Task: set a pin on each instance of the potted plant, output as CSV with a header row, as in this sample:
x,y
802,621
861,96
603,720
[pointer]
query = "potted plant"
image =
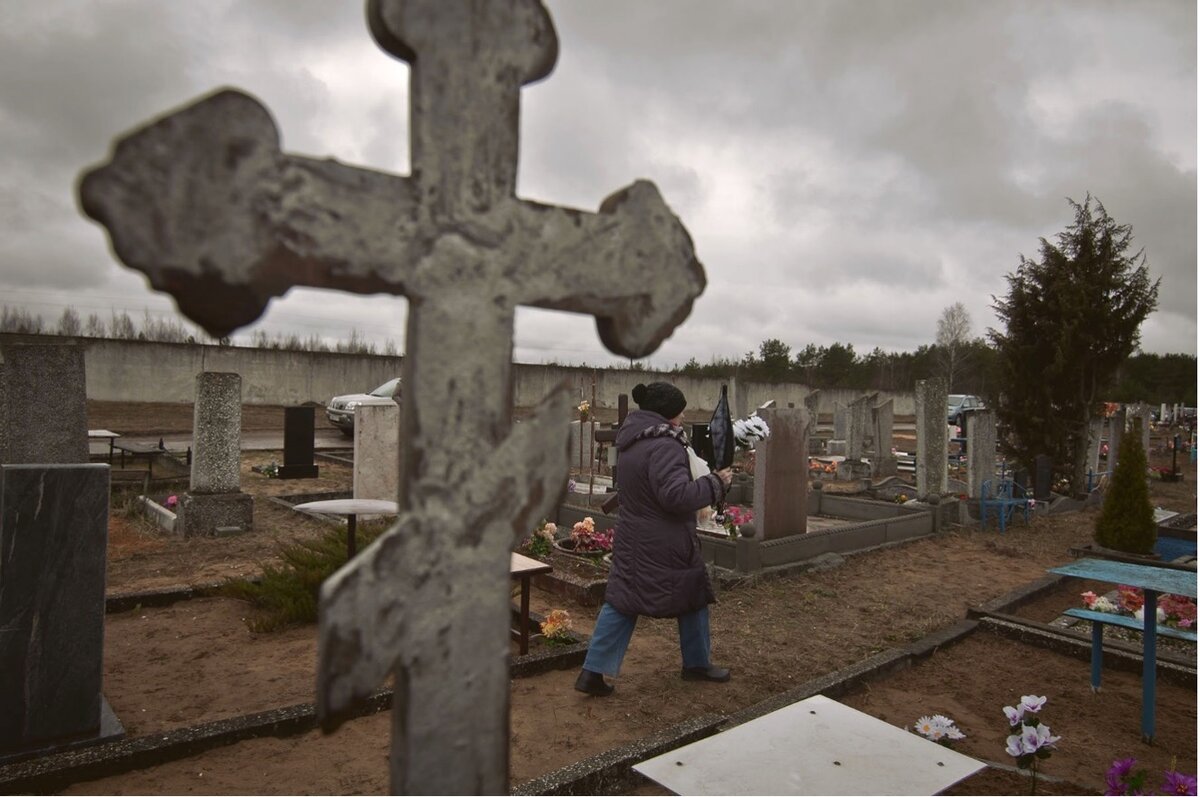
x,y
586,541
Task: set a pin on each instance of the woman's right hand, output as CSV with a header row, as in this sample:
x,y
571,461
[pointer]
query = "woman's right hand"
x,y
725,475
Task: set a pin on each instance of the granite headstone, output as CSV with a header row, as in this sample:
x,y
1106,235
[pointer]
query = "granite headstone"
x,y
53,537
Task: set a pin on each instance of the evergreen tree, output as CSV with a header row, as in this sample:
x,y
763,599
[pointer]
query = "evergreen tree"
x,y
1126,522
1071,319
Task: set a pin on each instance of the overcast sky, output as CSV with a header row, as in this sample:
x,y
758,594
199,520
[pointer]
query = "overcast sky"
x,y
847,169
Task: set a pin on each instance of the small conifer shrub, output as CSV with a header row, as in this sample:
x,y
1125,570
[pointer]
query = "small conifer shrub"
x,y
286,594
1126,522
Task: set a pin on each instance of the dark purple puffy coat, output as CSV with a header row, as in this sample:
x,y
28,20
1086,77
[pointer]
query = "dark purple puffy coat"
x,y
657,569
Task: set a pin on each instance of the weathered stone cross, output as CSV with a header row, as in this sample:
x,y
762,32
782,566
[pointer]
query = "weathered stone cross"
x,y
205,203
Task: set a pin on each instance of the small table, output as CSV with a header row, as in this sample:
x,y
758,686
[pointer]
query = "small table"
x,y
350,508
1152,581
525,569
104,434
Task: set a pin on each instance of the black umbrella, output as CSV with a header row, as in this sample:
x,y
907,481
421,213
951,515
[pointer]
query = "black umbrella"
x,y
720,429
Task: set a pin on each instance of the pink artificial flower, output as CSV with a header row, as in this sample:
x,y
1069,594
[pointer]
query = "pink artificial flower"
x,y
171,501
1177,783
1089,598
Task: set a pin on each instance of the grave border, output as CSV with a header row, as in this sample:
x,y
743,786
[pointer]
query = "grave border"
x,y
607,772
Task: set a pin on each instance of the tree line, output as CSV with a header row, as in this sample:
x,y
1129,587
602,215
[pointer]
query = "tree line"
x,y
121,326
1153,378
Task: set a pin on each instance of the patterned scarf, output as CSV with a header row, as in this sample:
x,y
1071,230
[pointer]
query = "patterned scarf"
x,y
663,430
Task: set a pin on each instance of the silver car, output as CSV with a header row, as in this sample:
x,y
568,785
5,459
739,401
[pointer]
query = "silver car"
x,y
340,410
957,405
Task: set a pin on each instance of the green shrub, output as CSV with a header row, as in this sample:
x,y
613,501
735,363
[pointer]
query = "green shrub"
x,y
286,594
1126,522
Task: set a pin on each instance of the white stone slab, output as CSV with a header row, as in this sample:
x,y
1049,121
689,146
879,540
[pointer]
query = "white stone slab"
x,y
816,746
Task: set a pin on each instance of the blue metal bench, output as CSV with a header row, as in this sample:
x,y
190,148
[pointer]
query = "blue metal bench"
x,y
1101,619
1004,497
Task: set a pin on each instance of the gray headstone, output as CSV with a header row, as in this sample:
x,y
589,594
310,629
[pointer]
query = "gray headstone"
x,y
981,449
207,205
932,442
53,537
377,450
217,434
841,421
859,438
781,475
43,404
1116,432
580,449
1143,413
214,500
1095,432
883,463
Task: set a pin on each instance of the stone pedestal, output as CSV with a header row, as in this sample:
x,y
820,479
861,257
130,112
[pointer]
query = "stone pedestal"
x,y
53,537
215,514
853,470
214,502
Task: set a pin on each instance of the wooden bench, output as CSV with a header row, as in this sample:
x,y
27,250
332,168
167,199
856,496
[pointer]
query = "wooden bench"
x,y
1101,619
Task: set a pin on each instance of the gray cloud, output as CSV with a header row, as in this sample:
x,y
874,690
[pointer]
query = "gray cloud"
x,y
846,170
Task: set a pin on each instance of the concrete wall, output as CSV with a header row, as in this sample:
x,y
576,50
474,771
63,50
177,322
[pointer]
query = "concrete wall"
x,y
133,370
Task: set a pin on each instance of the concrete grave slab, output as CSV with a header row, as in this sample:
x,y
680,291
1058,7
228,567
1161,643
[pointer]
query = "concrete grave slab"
x,y
814,746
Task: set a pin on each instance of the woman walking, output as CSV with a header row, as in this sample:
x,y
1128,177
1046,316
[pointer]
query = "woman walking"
x,y
656,569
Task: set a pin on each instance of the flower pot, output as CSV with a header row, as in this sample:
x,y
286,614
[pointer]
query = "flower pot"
x,y
567,546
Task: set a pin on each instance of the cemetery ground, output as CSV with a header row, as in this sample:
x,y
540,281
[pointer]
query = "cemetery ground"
x,y
195,661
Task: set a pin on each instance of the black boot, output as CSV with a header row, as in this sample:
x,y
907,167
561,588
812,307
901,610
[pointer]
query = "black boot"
x,y
709,673
592,683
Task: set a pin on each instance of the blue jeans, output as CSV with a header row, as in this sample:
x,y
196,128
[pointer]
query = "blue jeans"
x,y
610,640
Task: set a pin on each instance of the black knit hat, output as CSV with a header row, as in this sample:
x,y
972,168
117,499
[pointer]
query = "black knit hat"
x,y
661,397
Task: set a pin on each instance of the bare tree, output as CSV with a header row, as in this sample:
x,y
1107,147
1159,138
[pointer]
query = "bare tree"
x,y
20,321
69,323
953,335
96,327
122,326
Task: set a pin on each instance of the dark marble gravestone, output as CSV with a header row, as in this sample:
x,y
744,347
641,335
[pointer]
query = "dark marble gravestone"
x,y
1043,474
298,425
53,533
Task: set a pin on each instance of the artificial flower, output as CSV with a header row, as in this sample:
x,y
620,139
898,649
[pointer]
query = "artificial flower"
x,y
1014,714
1013,746
1177,783
1032,703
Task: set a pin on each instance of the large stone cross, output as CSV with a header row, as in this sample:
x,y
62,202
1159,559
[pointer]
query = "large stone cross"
x,y
207,205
